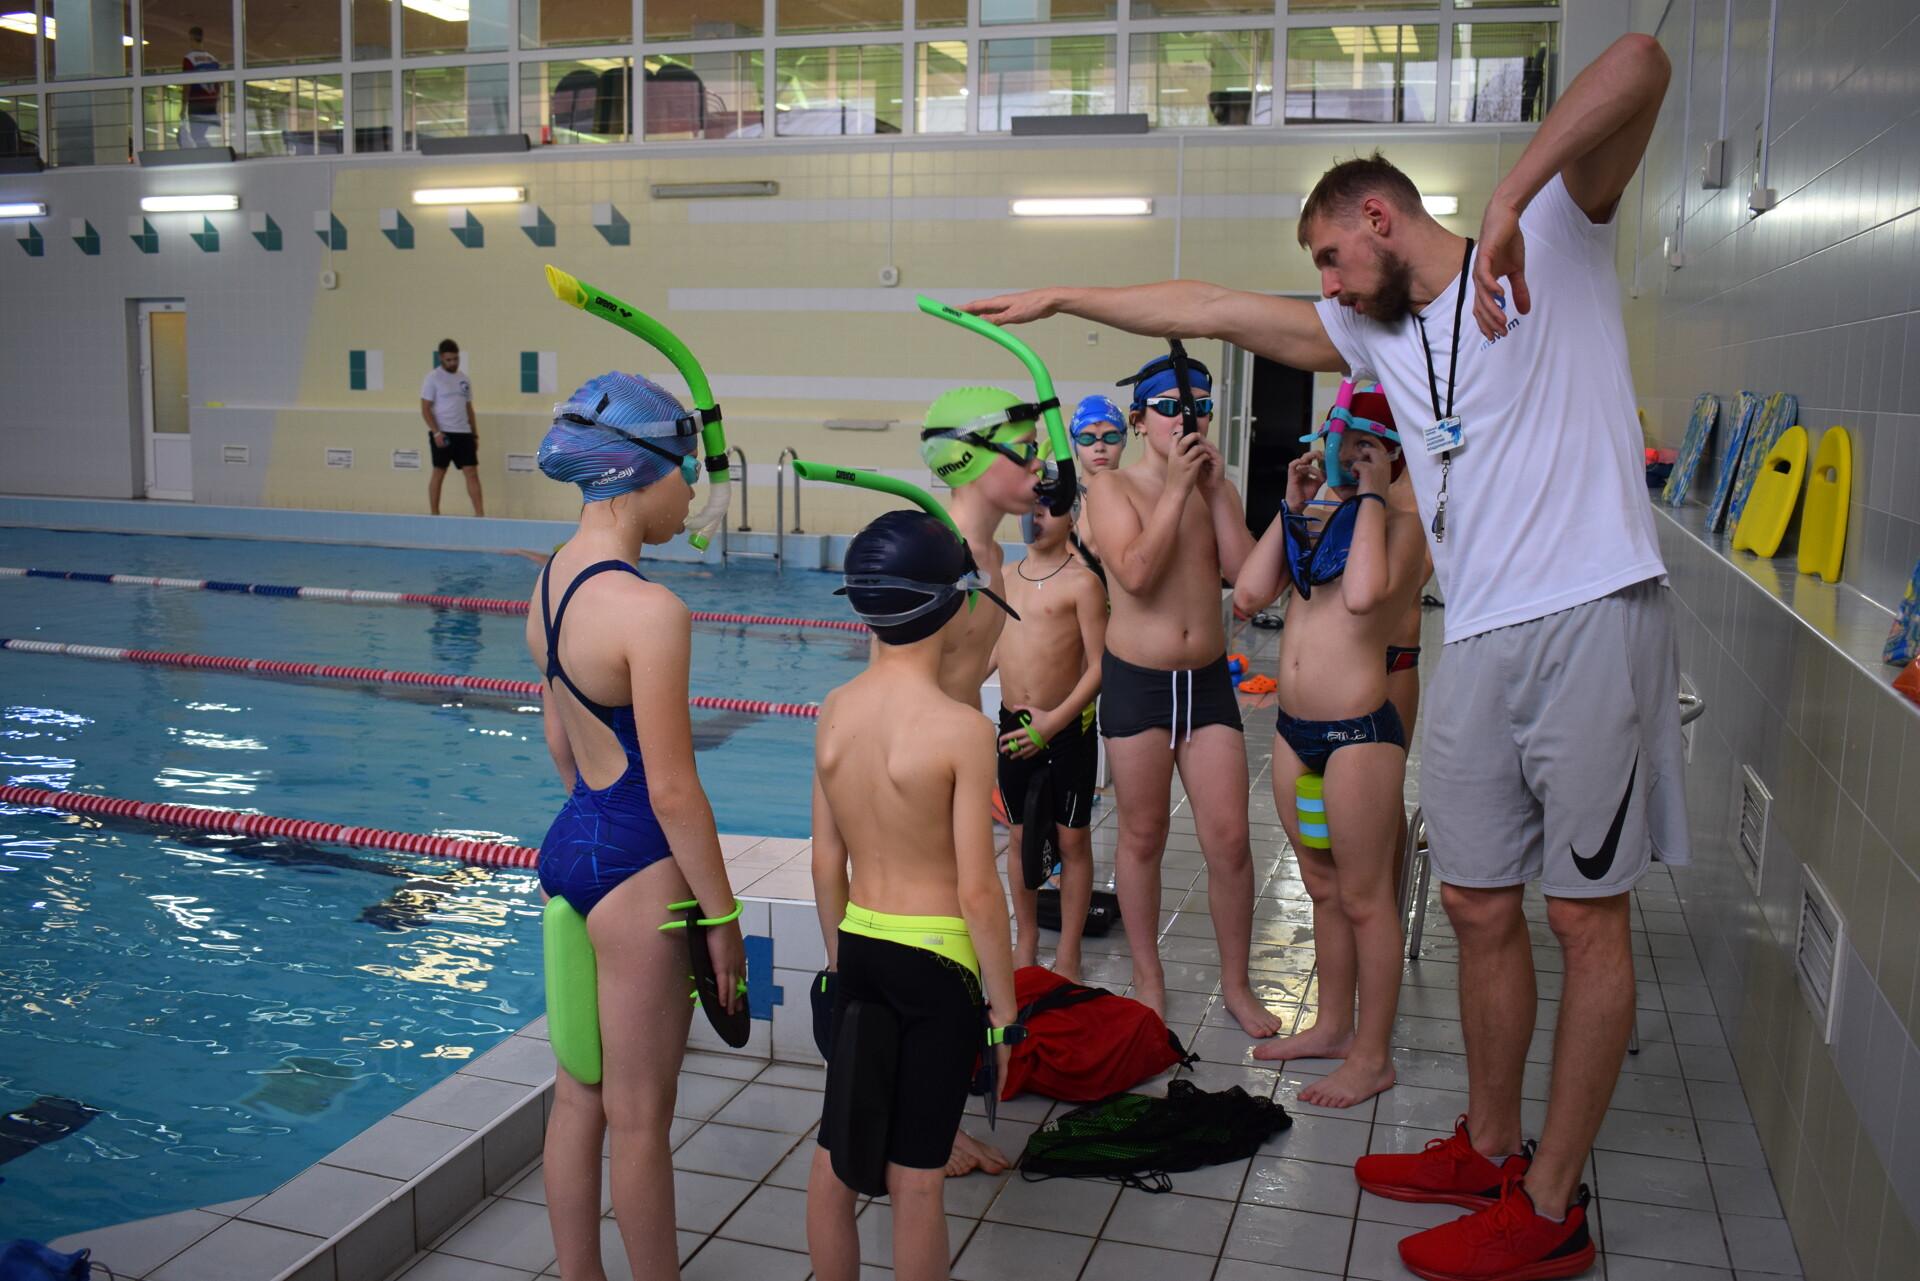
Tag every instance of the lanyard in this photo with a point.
(1433, 385)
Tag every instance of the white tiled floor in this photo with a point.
(1682, 1190)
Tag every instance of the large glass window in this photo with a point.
(703, 19)
(91, 128)
(453, 102)
(182, 35)
(797, 17)
(452, 26)
(940, 13)
(1193, 79)
(1361, 6)
(16, 44)
(20, 126)
(175, 117)
(1198, 8)
(554, 24)
(373, 111)
(1374, 75)
(563, 103)
(279, 33)
(1503, 71)
(1044, 76)
(295, 116)
(1007, 12)
(86, 40)
(940, 80)
(372, 29)
(704, 95)
(838, 90)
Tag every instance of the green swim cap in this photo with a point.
(955, 436)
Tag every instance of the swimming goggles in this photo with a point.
(978, 432)
(1111, 436)
(1169, 406)
(937, 594)
(689, 464)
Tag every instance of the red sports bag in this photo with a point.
(1084, 1043)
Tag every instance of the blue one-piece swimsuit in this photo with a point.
(601, 835)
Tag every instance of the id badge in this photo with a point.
(1443, 435)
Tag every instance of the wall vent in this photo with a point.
(339, 458)
(1819, 944)
(406, 460)
(1755, 803)
(521, 462)
(237, 454)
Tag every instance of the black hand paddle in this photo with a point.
(735, 1027)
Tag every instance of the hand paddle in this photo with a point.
(735, 1027)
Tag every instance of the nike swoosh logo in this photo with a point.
(1596, 866)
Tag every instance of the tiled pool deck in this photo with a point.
(1683, 1190)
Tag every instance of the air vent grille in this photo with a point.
(1819, 945)
(1755, 804)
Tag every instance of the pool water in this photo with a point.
(206, 1015)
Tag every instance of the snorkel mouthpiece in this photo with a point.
(575, 292)
(1060, 494)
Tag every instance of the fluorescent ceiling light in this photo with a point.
(189, 204)
(23, 23)
(24, 209)
(712, 190)
(1084, 207)
(470, 196)
(1441, 206)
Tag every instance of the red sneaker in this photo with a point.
(1508, 1241)
(1448, 1171)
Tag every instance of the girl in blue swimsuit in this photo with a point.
(636, 832)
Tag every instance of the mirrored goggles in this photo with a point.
(1169, 406)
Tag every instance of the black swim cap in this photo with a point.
(907, 575)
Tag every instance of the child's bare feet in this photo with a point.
(1356, 1081)
(1317, 1042)
(970, 1154)
(1067, 967)
(1255, 1019)
(1150, 991)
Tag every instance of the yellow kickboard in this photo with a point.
(1823, 526)
(1775, 492)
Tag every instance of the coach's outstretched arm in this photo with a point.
(1594, 138)
(1284, 329)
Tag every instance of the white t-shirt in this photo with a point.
(1547, 500)
(450, 395)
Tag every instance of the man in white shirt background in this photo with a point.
(1552, 748)
(446, 402)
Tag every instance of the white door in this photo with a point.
(163, 384)
(1233, 398)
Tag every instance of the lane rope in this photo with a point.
(356, 596)
(195, 818)
(368, 675)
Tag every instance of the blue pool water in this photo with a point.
(232, 1009)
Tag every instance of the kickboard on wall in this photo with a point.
(1823, 525)
(1745, 409)
(1779, 412)
(1693, 445)
(1775, 493)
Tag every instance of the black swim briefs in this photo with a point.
(1073, 755)
(1136, 699)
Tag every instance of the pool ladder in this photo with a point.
(779, 553)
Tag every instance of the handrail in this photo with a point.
(741, 454)
(779, 476)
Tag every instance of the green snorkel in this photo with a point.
(1060, 492)
(713, 434)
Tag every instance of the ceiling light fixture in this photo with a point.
(1441, 206)
(189, 204)
(470, 196)
(1083, 207)
(24, 209)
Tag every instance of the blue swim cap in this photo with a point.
(1097, 409)
(591, 441)
(1157, 378)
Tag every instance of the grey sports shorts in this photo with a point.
(1553, 750)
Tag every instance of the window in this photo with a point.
(1361, 6)
(703, 19)
(1007, 12)
(940, 87)
(96, 54)
(940, 13)
(704, 95)
(1375, 75)
(1044, 76)
(372, 29)
(180, 35)
(16, 44)
(1503, 71)
(91, 128)
(554, 24)
(1503, 4)
(177, 117)
(566, 103)
(295, 116)
(279, 33)
(1199, 8)
(373, 111)
(19, 125)
(1195, 79)
(797, 17)
(453, 102)
(450, 26)
(837, 90)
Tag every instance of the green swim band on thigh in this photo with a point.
(573, 991)
(1310, 803)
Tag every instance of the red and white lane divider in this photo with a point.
(355, 596)
(484, 853)
(369, 675)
